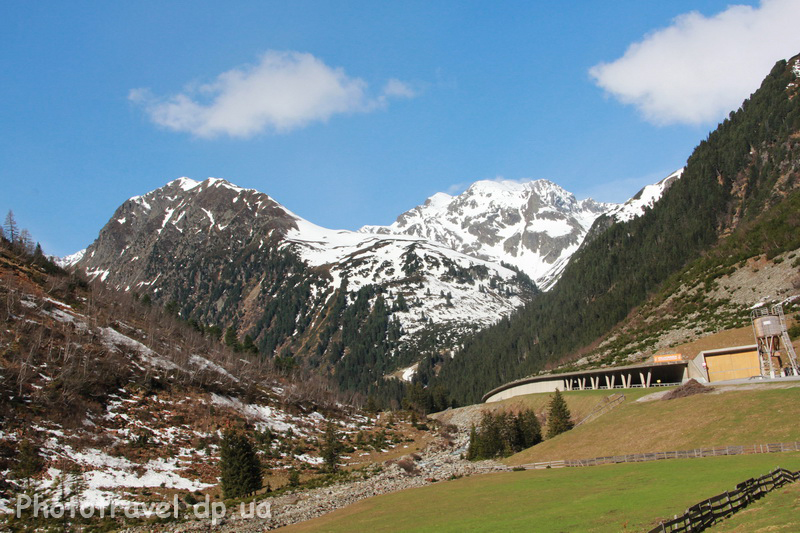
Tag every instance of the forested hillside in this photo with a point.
(751, 161)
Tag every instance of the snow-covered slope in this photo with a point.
(221, 254)
(176, 241)
(535, 225)
(69, 260)
(644, 199)
(441, 284)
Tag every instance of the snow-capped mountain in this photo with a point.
(218, 250)
(447, 286)
(644, 199)
(535, 225)
(69, 260)
(221, 255)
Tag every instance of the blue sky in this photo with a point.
(350, 113)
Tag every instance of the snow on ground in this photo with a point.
(97, 272)
(113, 339)
(309, 459)
(532, 225)
(105, 478)
(365, 259)
(263, 414)
(203, 363)
(408, 373)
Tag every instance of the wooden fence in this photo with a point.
(657, 456)
(706, 513)
(607, 404)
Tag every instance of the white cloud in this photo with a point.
(284, 91)
(399, 89)
(700, 68)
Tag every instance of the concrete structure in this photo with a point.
(724, 364)
(673, 371)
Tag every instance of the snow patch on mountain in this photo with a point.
(644, 199)
(441, 297)
(69, 260)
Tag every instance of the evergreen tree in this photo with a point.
(529, 429)
(29, 463)
(502, 434)
(401, 303)
(248, 345)
(240, 468)
(331, 448)
(230, 338)
(472, 450)
(372, 405)
(559, 418)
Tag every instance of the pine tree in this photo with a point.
(530, 431)
(401, 303)
(239, 466)
(559, 418)
(230, 338)
(248, 346)
(372, 406)
(29, 463)
(331, 448)
(472, 450)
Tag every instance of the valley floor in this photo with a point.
(440, 460)
(630, 497)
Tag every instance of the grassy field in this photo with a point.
(737, 417)
(580, 402)
(775, 512)
(627, 497)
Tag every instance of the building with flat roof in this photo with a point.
(709, 366)
(672, 369)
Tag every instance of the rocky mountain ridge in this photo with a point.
(225, 256)
(533, 225)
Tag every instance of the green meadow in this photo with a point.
(612, 498)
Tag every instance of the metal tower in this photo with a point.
(775, 351)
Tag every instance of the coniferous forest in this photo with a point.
(741, 168)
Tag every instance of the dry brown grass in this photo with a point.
(723, 339)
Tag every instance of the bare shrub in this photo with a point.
(408, 465)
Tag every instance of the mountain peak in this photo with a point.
(514, 186)
(184, 183)
(644, 199)
(534, 225)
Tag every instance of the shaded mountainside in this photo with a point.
(751, 162)
(354, 305)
